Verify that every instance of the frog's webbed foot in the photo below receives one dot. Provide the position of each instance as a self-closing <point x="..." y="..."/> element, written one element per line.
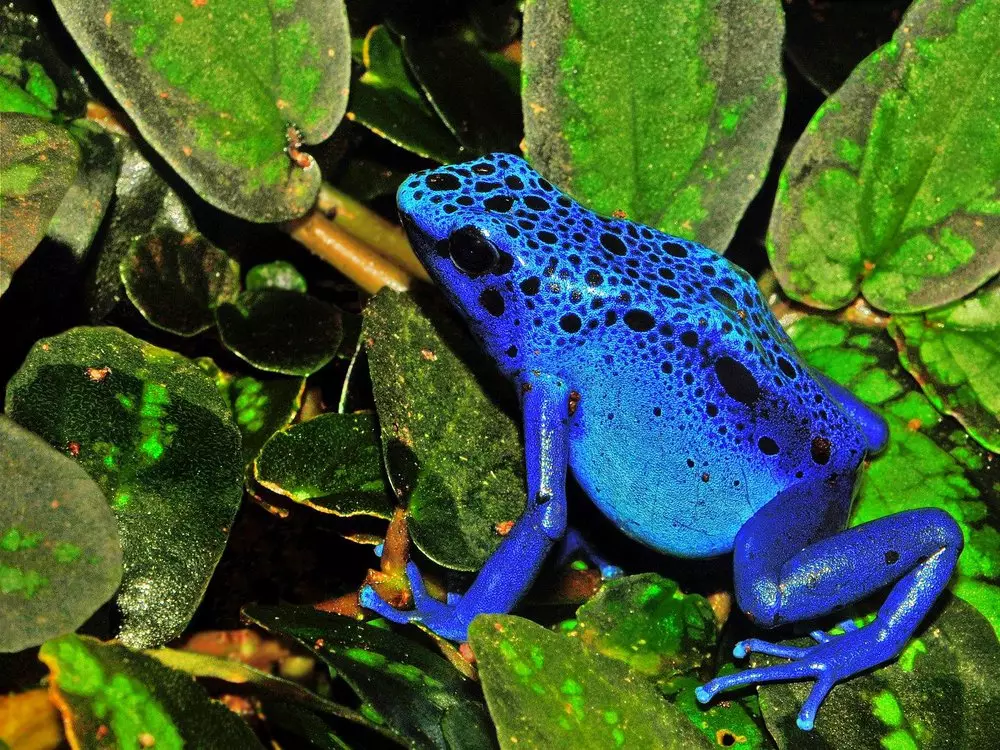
<point x="444" y="618"/>
<point x="833" y="659"/>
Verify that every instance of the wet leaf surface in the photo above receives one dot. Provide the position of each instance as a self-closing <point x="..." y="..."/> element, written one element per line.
<point x="113" y="697"/>
<point x="412" y="691"/>
<point x="152" y="430"/>
<point x="934" y="696"/>
<point x="386" y="102"/>
<point x="545" y="690"/>
<point x="261" y="405"/>
<point x="280" y="331"/>
<point x="178" y="279"/>
<point x="474" y="99"/>
<point x="332" y="463"/>
<point x="449" y="447"/>
<point x="892" y="190"/>
<point x="215" y="87"/>
<point x="954" y="353"/>
<point x="663" y="112"/>
<point x="38" y="163"/>
<point x="60" y="558"/>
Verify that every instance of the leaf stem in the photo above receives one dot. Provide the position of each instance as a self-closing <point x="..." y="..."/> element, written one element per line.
<point x="353" y="257"/>
<point x="386" y="238"/>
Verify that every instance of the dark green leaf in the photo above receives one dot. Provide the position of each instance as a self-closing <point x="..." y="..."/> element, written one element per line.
<point x="261" y="406"/>
<point x="82" y="210"/>
<point x="954" y="353"/>
<point x="473" y="98"/>
<point x="279" y="274"/>
<point x="893" y="189"/>
<point x="665" y="111"/>
<point x="648" y="623"/>
<point x="546" y="691"/>
<point x="113" y="697"/>
<point x="448" y="446"/>
<point x="155" y="434"/>
<point x="385" y="102"/>
<point x="177" y="279"/>
<point x="60" y="558"/>
<point x="38" y="162"/>
<point x="727" y="723"/>
<point x="280" y="331"/>
<point x="412" y="691"/>
<point x="217" y="86"/>
<point x="332" y="463"/>
<point x="935" y="695"/>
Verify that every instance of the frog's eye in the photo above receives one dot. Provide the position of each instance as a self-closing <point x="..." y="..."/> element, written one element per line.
<point x="471" y="252"/>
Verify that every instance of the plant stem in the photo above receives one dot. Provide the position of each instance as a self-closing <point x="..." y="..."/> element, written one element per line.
<point x="386" y="238"/>
<point x="354" y="258"/>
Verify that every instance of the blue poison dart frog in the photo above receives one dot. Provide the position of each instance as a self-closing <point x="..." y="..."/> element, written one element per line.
<point x="651" y="368"/>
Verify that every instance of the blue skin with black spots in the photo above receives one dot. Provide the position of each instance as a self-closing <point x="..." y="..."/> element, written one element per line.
<point x="651" y="367"/>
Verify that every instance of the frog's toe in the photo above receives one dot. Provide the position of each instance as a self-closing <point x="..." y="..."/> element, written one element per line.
<point x="610" y="572"/>
<point x="371" y="599"/>
<point x="443" y="618"/>
<point x="741" y="649"/>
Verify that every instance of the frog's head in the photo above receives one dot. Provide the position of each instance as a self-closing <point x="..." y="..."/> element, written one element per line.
<point x="472" y="226"/>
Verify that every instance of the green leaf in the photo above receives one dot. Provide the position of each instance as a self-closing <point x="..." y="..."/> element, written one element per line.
<point x="545" y="691"/>
<point x="894" y="189"/>
<point x="279" y="274"/>
<point x="385" y="101"/>
<point x="935" y="695"/>
<point x="38" y="162"/>
<point x="280" y="331"/>
<point x="472" y="97"/>
<point x="82" y="209"/>
<point x="415" y="693"/>
<point x="177" y="279"/>
<point x="954" y="353"/>
<point x="733" y="722"/>
<point x="449" y="448"/>
<point x="159" y="440"/>
<point x="929" y="462"/>
<point x="662" y="110"/>
<point x="332" y="463"/>
<point x="648" y="623"/>
<point x="112" y="696"/>
<point x="216" y="87"/>
<point x="261" y="406"/>
<point x="60" y="558"/>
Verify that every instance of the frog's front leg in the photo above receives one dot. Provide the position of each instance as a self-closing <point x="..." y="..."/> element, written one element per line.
<point x="510" y="571"/>
<point x="791" y="565"/>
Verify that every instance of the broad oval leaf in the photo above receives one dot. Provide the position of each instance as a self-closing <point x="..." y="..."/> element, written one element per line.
<point x="954" y="353"/>
<point x="332" y="463"/>
<point x="410" y="690"/>
<point x="662" y="110"/>
<point x="280" y="331"/>
<point x="111" y="696"/>
<point x="936" y="695"/>
<point x="449" y="448"/>
<point x="545" y="690"/>
<point x="221" y="89"/>
<point x="38" y="163"/>
<point x="894" y="189"/>
<point x="160" y="441"/>
<point x="177" y="279"/>
<point x="60" y="558"/>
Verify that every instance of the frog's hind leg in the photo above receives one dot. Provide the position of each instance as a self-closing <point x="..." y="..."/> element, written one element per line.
<point x="793" y="564"/>
<point x="874" y="427"/>
<point x="510" y="571"/>
<point x="574" y="543"/>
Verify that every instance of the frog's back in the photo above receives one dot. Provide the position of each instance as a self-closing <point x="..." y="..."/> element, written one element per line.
<point x="694" y="407"/>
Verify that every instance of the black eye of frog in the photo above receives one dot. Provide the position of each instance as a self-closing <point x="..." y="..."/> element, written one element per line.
<point x="471" y="252"/>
